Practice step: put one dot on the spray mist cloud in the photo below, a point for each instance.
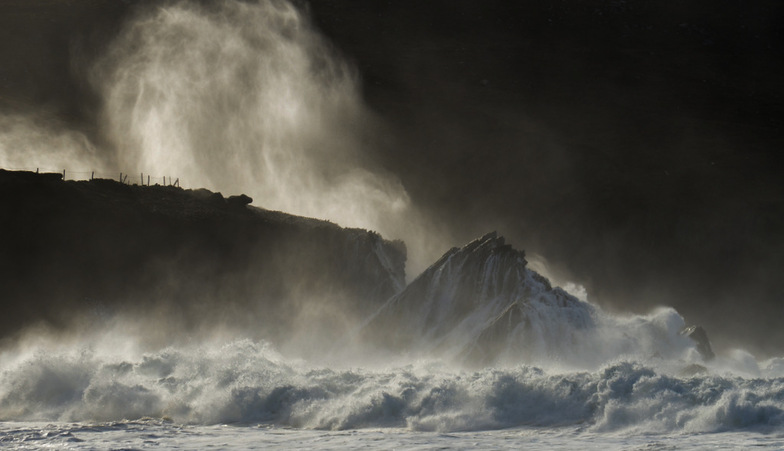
(245, 97)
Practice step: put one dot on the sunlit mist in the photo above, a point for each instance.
(246, 97)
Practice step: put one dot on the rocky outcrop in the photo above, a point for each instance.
(239, 201)
(481, 305)
(476, 303)
(700, 338)
(192, 257)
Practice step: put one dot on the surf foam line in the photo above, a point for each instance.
(249, 383)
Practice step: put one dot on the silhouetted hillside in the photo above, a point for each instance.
(89, 250)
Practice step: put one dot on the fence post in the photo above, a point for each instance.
(142, 177)
(120, 177)
(148, 180)
(63, 174)
(36, 170)
(92, 175)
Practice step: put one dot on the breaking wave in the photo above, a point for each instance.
(248, 382)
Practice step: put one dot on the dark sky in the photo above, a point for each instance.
(636, 145)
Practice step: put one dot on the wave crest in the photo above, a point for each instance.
(247, 382)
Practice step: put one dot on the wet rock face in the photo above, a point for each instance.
(476, 303)
(454, 286)
(700, 338)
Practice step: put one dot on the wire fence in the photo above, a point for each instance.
(141, 178)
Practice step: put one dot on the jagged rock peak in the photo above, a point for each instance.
(480, 249)
(460, 295)
(490, 241)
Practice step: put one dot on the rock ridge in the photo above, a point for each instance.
(71, 248)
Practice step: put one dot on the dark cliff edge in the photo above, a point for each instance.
(83, 252)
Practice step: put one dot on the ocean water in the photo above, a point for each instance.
(149, 434)
(244, 395)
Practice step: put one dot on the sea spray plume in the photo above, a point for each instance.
(246, 97)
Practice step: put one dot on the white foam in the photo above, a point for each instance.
(247, 382)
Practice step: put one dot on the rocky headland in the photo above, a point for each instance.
(94, 249)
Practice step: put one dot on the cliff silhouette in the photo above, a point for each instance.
(83, 252)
